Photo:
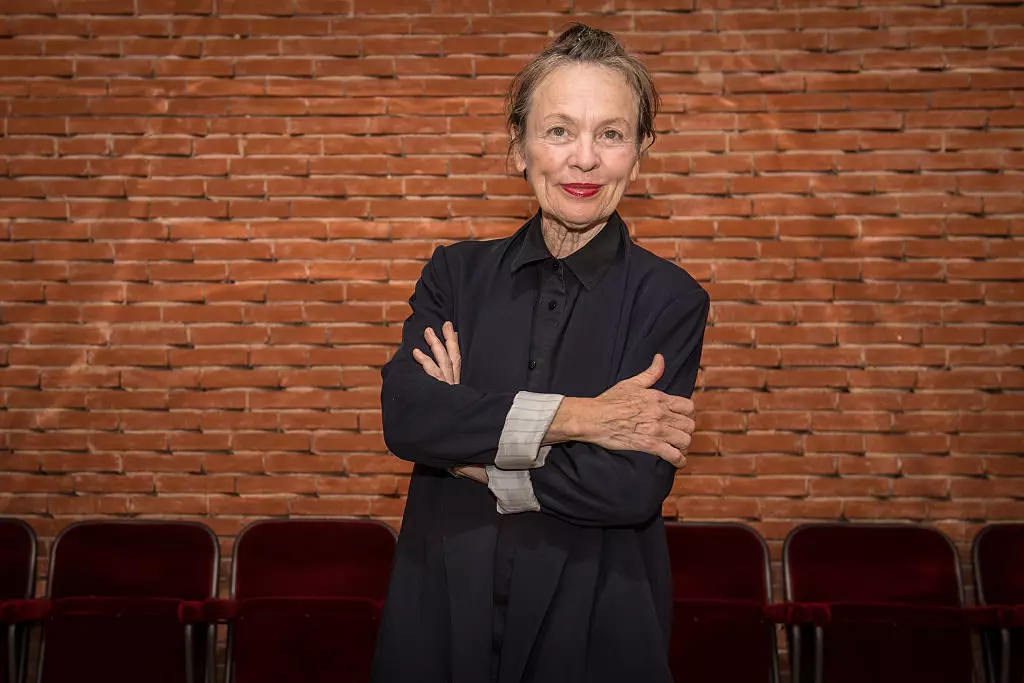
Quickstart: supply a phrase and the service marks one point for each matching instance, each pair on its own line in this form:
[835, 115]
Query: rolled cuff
[513, 490]
[527, 421]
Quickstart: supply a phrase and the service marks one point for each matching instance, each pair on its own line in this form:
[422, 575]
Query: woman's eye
[613, 135]
[558, 131]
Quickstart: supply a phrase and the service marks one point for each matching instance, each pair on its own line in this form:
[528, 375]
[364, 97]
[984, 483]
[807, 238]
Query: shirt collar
[588, 264]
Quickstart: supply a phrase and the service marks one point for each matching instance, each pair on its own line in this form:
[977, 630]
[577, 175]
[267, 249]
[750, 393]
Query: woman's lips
[581, 190]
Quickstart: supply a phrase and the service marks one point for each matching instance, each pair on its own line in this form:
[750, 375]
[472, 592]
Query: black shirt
[559, 282]
[590, 598]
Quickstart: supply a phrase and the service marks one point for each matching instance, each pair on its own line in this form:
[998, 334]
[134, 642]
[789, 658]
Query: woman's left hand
[446, 366]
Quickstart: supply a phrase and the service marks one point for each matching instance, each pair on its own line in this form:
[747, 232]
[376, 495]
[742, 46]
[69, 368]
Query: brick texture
[212, 213]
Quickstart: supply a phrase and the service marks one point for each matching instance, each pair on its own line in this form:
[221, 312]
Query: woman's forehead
[584, 91]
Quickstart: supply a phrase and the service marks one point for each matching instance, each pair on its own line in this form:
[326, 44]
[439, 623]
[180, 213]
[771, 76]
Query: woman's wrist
[569, 423]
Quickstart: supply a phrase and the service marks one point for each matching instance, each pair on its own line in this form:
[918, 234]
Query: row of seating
[862, 602]
[137, 600]
[130, 601]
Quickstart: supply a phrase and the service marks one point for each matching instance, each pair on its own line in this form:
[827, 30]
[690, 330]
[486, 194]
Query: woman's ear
[518, 158]
[641, 152]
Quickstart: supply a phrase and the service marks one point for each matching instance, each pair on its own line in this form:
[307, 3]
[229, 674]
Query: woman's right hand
[446, 366]
[630, 416]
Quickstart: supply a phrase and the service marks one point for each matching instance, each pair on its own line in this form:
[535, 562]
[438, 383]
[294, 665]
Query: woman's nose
[585, 155]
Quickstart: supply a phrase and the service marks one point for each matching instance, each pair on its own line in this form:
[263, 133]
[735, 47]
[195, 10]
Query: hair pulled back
[581, 44]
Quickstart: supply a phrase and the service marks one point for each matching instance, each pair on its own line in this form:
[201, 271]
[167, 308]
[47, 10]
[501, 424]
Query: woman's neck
[563, 241]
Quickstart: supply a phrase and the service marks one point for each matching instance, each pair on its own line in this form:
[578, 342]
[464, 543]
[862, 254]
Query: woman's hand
[446, 366]
[630, 416]
[474, 472]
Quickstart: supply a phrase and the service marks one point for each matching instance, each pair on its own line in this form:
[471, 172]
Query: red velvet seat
[998, 555]
[111, 612]
[17, 582]
[306, 600]
[884, 603]
[721, 580]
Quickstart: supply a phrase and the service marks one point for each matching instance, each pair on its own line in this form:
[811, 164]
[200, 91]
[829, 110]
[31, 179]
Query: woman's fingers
[681, 405]
[451, 343]
[428, 365]
[667, 433]
[681, 423]
[446, 365]
[476, 472]
[440, 355]
[677, 438]
[665, 451]
[648, 378]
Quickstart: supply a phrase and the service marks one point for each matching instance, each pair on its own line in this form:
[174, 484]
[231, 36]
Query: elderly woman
[541, 389]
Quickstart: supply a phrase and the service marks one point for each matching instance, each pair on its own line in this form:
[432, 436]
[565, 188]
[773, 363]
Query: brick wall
[212, 213]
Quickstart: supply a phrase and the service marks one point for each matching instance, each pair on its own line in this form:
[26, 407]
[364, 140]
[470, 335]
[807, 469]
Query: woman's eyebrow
[618, 120]
[557, 117]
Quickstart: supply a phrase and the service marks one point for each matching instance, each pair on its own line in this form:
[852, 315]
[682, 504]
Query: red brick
[248, 505]
[717, 508]
[211, 284]
[162, 506]
[802, 509]
[886, 509]
[856, 465]
[343, 505]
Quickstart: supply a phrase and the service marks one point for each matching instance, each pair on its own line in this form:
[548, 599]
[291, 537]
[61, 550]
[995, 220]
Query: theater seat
[113, 597]
[721, 580]
[998, 555]
[306, 600]
[17, 582]
[879, 602]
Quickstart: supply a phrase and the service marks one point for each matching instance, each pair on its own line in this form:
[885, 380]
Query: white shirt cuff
[520, 450]
[519, 447]
[513, 490]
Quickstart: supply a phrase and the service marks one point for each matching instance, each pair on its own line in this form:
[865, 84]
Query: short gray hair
[581, 44]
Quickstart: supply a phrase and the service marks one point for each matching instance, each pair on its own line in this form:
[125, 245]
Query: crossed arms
[602, 461]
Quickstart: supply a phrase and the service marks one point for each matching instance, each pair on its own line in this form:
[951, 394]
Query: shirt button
[557, 266]
[532, 364]
[552, 305]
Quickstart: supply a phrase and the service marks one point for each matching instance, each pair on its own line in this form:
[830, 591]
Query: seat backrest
[871, 563]
[727, 564]
[131, 558]
[313, 558]
[137, 562]
[724, 561]
[999, 564]
[17, 580]
[17, 559]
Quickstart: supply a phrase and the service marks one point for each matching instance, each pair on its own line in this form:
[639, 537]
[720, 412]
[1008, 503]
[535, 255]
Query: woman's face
[580, 147]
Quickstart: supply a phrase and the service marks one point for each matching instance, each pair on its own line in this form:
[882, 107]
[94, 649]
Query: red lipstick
[582, 190]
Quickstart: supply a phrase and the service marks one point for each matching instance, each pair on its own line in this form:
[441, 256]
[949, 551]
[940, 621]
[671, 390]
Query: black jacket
[591, 593]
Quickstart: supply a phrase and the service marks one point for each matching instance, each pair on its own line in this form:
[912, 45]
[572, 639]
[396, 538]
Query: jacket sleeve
[427, 421]
[591, 486]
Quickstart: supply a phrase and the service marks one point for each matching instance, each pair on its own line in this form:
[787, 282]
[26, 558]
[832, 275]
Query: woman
[545, 432]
